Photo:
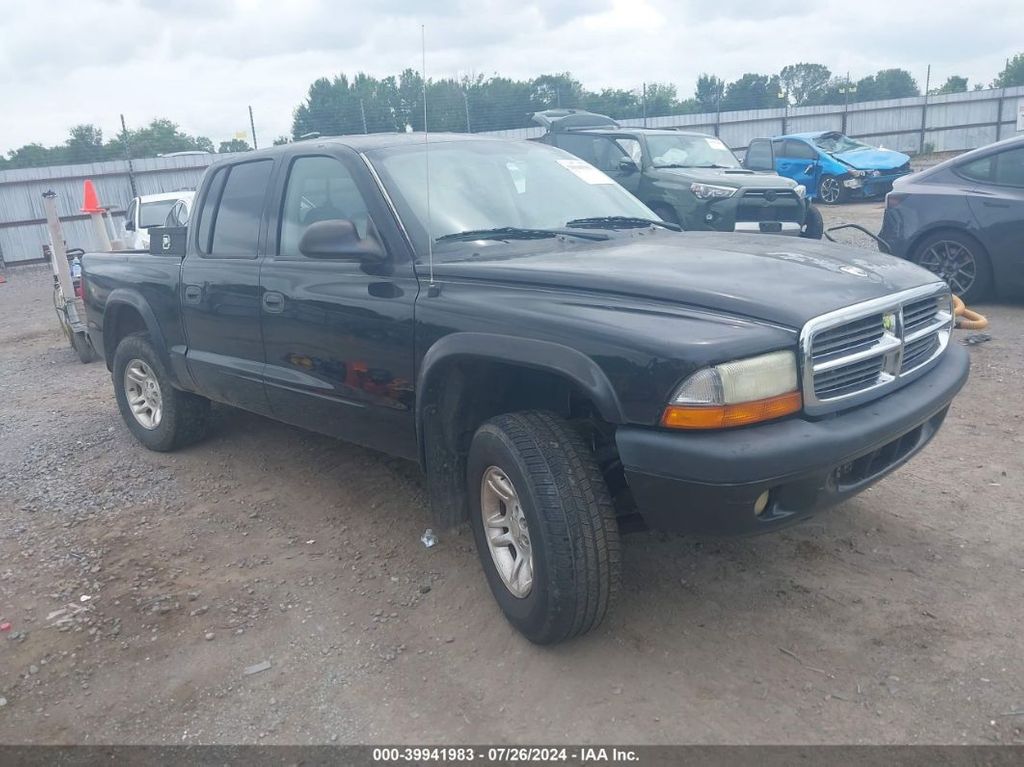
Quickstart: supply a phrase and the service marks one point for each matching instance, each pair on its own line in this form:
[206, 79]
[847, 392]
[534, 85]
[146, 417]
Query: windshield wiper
[620, 222]
[517, 233]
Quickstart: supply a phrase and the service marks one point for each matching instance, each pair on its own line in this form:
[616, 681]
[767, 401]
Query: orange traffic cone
[91, 203]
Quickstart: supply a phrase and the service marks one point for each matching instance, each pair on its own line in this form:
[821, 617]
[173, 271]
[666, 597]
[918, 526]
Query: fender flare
[120, 297]
[548, 356]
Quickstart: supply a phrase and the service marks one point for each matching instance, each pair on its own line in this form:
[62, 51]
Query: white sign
[586, 171]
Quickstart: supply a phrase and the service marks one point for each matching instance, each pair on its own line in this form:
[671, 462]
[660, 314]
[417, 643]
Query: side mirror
[129, 225]
[627, 165]
[338, 238]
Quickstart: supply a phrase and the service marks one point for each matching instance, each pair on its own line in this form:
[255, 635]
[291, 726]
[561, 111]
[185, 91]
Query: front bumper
[873, 186]
[708, 482]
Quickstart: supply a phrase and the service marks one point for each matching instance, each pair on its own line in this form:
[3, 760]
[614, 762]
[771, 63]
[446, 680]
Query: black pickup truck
[560, 362]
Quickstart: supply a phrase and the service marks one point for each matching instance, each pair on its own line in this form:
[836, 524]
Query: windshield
[155, 213]
[482, 185]
[837, 143]
[690, 152]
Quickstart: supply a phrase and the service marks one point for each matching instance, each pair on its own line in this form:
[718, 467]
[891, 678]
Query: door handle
[193, 294]
[273, 302]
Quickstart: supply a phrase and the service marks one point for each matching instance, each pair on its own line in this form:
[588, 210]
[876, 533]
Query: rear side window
[977, 170]
[236, 220]
[205, 216]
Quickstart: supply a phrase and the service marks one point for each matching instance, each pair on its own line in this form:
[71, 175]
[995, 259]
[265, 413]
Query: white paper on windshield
[715, 143]
[586, 171]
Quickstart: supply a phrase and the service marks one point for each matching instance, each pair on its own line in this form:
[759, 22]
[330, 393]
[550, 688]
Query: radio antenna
[426, 155]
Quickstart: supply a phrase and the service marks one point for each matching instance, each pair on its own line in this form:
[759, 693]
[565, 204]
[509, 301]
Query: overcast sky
[201, 62]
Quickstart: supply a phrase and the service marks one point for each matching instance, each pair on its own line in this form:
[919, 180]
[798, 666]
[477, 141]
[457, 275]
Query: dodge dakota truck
[561, 363]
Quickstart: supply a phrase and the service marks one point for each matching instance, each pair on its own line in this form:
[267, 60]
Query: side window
[631, 148]
[318, 189]
[759, 155]
[207, 214]
[800, 150]
[579, 145]
[1010, 168]
[236, 223]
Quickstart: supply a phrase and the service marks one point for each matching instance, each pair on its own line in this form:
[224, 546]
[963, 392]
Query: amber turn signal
[724, 416]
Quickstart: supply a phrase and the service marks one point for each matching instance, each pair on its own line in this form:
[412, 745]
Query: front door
[998, 206]
[220, 301]
[797, 160]
[338, 334]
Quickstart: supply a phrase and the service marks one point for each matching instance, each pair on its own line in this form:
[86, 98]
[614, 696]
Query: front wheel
[544, 525]
[814, 224]
[161, 417]
[831, 190]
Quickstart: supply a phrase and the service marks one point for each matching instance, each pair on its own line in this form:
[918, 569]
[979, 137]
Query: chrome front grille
[863, 351]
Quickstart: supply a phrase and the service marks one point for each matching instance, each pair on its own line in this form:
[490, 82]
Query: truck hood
[873, 159]
[737, 177]
[770, 278]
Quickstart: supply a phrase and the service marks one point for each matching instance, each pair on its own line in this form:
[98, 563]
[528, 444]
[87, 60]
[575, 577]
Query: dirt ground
[140, 587]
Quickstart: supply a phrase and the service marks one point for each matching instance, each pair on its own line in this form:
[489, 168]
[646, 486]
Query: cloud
[202, 62]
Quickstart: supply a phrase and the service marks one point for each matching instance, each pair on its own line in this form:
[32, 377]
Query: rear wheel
[831, 190]
[161, 417]
[544, 525]
[960, 260]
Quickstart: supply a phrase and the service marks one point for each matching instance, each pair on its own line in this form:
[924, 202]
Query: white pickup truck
[166, 209]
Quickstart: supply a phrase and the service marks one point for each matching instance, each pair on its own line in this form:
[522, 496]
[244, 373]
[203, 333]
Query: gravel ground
[269, 585]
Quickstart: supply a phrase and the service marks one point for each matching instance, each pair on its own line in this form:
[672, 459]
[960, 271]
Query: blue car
[834, 168]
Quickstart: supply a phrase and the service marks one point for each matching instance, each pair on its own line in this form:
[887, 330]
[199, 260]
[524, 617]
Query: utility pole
[465, 101]
[718, 109]
[128, 157]
[644, 104]
[362, 111]
[252, 127]
[924, 109]
[846, 90]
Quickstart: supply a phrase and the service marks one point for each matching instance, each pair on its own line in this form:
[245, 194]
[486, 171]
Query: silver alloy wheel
[952, 261]
[142, 391]
[829, 190]
[506, 531]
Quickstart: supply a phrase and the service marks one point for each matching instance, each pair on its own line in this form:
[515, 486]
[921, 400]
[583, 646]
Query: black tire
[831, 191]
[184, 416]
[83, 347]
[814, 224]
[574, 538]
[939, 251]
[667, 213]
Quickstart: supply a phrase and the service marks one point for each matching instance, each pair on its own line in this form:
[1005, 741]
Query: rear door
[996, 197]
[338, 333]
[220, 293]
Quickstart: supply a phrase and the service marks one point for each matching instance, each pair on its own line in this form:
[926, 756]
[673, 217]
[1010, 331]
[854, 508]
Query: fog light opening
[761, 504]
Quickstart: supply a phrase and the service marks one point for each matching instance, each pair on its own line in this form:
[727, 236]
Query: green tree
[953, 84]
[709, 92]
[753, 91]
[281, 140]
[560, 90]
[86, 145]
[886, 84]
[662, 99]
[1012, 74]
[234, 145]
[805, 83]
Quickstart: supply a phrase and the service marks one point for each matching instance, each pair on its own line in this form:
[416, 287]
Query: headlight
[855, 172]
[711, 192]
[801, 191]
[736, 393]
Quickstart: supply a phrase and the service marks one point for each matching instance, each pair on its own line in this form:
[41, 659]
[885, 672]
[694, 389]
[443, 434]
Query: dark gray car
[964, 220]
